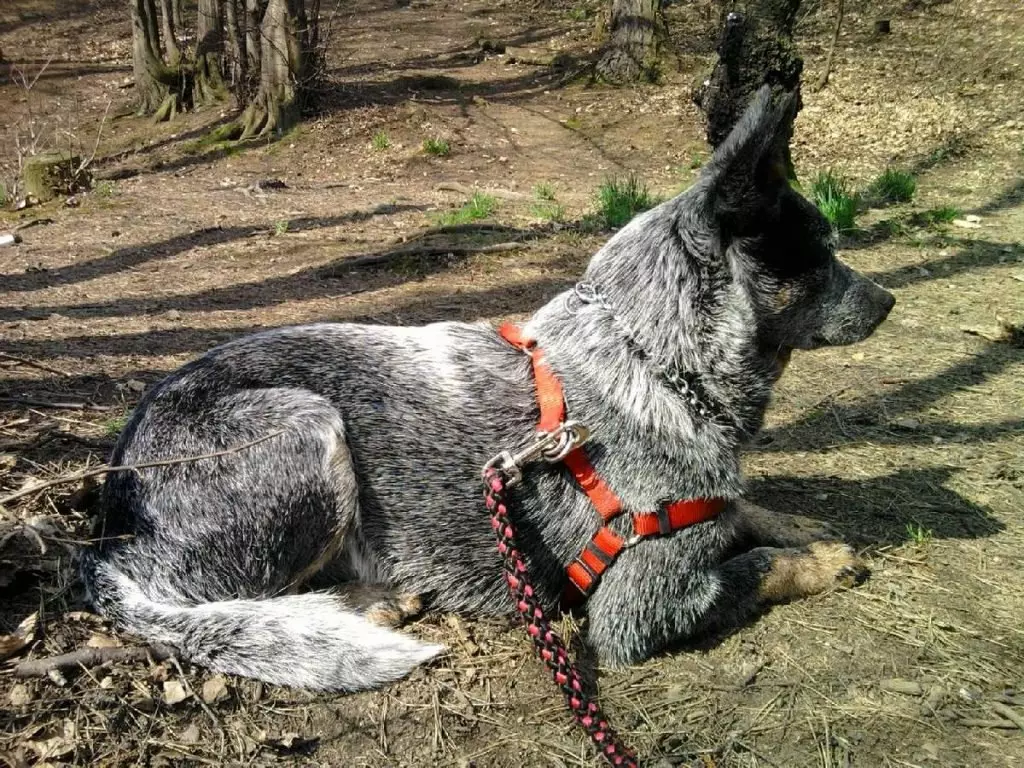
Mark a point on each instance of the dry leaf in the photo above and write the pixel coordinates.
(20, 639)
(174, 693)
(215, 689)
(99, 640)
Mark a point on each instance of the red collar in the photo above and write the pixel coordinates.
(585, 571)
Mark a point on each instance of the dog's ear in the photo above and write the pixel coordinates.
(750, 169)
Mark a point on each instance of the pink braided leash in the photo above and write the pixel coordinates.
(546, 641)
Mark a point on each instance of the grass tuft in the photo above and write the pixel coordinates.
(893, 186)
(437, 147)
(381, 141)
(479, 206)
(918, 534)
(836, 199)
(619, 200)
(942, 215)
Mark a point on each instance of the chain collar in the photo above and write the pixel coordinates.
(686, 383)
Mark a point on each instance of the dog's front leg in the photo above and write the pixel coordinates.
(648, 607)
(765, 527)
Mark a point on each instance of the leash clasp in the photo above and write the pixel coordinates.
(551, 446)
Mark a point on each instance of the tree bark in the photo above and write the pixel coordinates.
(179, 22)
(636, 31)
(237, 60)
(158, 87)
(208, 84)
(168, 30)
(284, 61)
(756, 48)
(253, 15)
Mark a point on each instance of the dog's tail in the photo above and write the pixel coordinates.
(304, 641)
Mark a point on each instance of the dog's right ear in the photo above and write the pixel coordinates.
(749, 169)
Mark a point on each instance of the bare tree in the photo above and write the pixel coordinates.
(208, 84)
(287, 66)
(756, 48)
(158, 86)
(168, 29)
(636, 33)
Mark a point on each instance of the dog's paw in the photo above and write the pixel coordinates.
(822, 566)
(394, 610)
(839, 565)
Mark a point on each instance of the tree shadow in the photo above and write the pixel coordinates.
(133, 256)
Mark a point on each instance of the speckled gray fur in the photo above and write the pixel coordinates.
(386, 429)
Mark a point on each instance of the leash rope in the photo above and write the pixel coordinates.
(548, 644)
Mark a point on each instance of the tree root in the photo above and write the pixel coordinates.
(168, 109)
(90, 657)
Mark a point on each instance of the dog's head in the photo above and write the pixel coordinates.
(778, 244)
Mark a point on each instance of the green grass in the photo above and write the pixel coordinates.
(944, 214)
(620, 199)
(104, 189)
(280, 227)
(544, 191)
(545, 207)
(893, 186)
(113, 427)
(579, 13)
(381, 141)
(479, 206)
(836, 199)
(437, 147)
(918, 533)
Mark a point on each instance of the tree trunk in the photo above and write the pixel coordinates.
(253, 14)
(237, 61)
(756, 48)
(168, 31)
(284, 62)
(157, 86)
(179, 22)
(636, 31)
(208, 84)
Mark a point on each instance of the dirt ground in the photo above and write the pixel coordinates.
(911, 443)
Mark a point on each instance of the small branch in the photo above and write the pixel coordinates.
(72, 406)
(95, 147)
(374, 259)
(107, 469)
(463, 189)
(33, 363)
(90, 657)
(1010, 714)
(832, 48)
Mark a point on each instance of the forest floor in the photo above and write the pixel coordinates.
(911, 443)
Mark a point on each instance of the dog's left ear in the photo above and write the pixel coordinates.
(749, 169)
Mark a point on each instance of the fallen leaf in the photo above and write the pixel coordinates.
(99, 640)
(19, 639)
(174, 693)
(215, 689)
(21, 695)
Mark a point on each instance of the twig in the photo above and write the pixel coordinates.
(72, 406)
(95, 147)
(462, 189)
(33, 363)
(90, 657)
(973, 722)
(832, 48)
(33, 223)
(107, 469)
(373, 259)
(1009, 714)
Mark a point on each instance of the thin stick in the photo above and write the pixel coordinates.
(95, 147)
(33, 363)
(832, 49)
(90, 657)
(72, 406)
(106, 468)
(1014, 717)
(463, 189)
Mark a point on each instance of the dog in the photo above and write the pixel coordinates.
(341, 491)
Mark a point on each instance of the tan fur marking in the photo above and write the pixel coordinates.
(410, 605)
(827, 564)
(384, 615)
(331, 551)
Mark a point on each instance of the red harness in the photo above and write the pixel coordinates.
(585, 571)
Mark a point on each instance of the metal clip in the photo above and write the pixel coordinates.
(551, 446)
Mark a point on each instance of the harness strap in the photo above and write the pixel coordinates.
(605, 546)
